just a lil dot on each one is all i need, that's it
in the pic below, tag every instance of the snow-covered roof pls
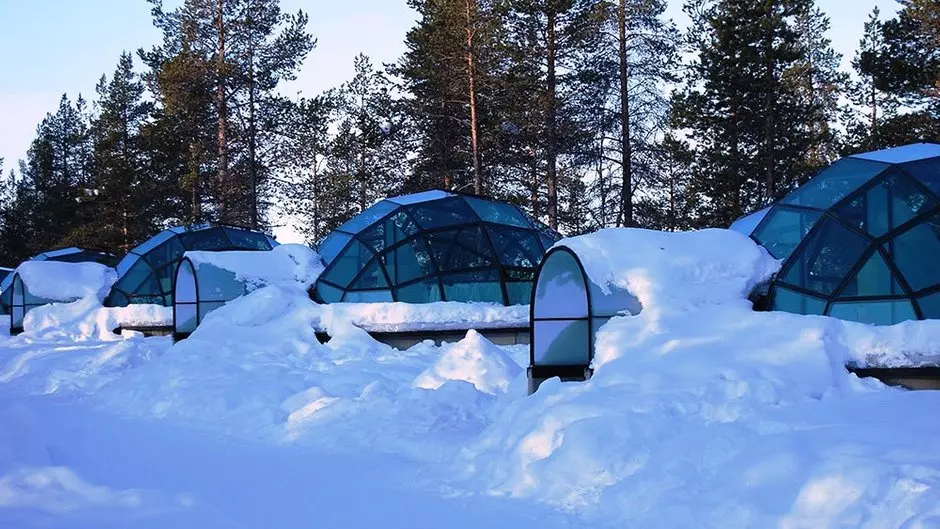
(284, 264)
(747, 223)
(62, 281)
(902, 154)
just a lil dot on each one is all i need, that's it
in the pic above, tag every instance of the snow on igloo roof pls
(434, 246)
(145, 275)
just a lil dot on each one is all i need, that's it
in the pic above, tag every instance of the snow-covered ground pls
(701, 413)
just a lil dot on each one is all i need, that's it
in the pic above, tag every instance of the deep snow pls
(701, 413)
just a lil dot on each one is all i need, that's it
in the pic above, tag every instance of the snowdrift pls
(701, 412)
(65, 282)
(287, 263)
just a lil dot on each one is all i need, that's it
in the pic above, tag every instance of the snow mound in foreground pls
(703, 413)
(475, 360)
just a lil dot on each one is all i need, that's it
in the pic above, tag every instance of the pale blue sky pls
(48, 47)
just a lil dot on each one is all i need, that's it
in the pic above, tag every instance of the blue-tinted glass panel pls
(904, 153)
(134, 277)
(442, 213)
(787, 300)
(217, 284)
(368, 216)
(409, 261)
(247, 240)
(371, 278)
(892, 201)
(615, 301)
(165, 254)
(272, 242)
(460, 249)
(873, 279)
(827, 257)
(561, 343)
(348, 264)
(185, 318)
(6, 298)
(117, 299)
(388, 232)
(420, 292)
(783, 229)
(368, 296)
(835, 183)
(560, 290)
(208, 239)
(185, 286)
(332, 246)
(328, 294)
(916, 253)
(875, 312)
(519, 292)
(930, 306)
(480, 285)
(126, 263)
(516, 247)
(205, 307)
(497, 212)
(153, 242)
(926, 172)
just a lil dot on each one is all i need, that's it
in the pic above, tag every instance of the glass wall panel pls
(248, 239)
(873, 279)
(892, 201)
(217, 284)
(930, 306)
(368, 296)
(876, 312)
(460, 249)
(916, 253)
(616, 301)
(332, 246)
(783, 229)
(798, 303)
(408, 262)
(926, 172)
(185, 283)
(207, 239)
(348, 264)
(368, 216)
(420, 292)
(497, 212)
(185, 318)
(372, 277)
(328, 293)
(442, 213)
(835, 183)
(827, 257)
(519, 292)
(516, 247)
(481, 285)
(561, 342)
(560, 290)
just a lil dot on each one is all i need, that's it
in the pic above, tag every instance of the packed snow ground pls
(701, 413)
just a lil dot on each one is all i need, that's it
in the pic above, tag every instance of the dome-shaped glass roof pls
(145, 275)
(434, 246)
(64, 255)
(861, 240)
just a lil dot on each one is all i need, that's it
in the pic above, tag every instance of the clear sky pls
(51, 47)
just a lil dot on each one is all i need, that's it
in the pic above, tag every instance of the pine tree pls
(747, 105)
(309, 201)
(128, 209)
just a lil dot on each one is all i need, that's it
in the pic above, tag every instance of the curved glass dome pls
(145, 275)
(434, 246)
(64, 255)
(861, 240)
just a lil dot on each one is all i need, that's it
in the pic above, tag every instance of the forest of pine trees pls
(589, 113)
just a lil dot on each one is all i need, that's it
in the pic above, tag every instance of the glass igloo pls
(434, 246)
(63, 255)
(145, 275)
(861, 240)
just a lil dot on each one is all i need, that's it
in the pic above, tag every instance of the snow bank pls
(285, 263)
(475, 360)
(703, 413)
(438, 316)
(61, 281)
(87, 319)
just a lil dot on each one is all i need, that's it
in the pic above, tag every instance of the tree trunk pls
(551, 147)
(252, 133)
(222, 174)
(769, 88)
(626, 149)
(471, 80)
